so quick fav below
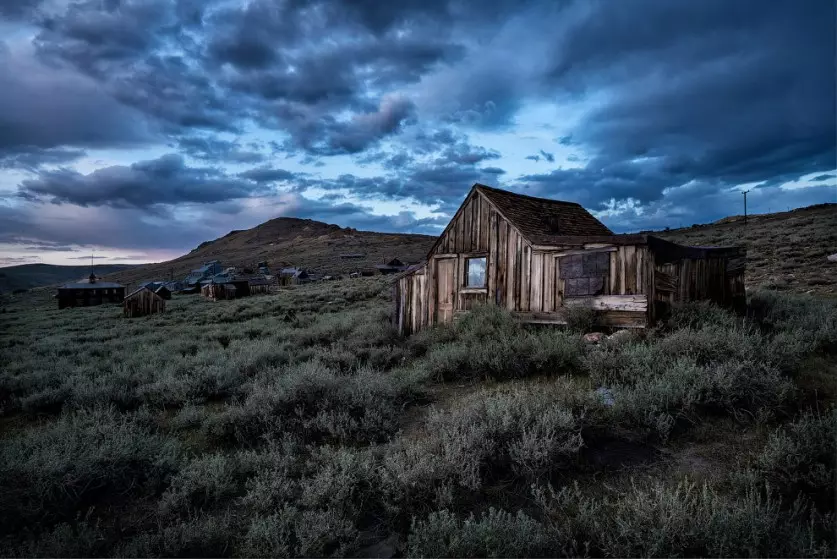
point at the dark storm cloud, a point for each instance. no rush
(33, 158)
(15, 9)
(163, 181)
(42, 108)
(213, 149)
(719, 92)
(268, 174)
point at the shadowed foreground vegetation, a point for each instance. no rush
(301, 424)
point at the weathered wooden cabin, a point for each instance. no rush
(259, 286)
(538, 257)
(142, 302)
(392, 267)
(218, 291)
(88, 292)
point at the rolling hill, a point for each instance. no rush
(287, 241)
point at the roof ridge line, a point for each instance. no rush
(500, 190)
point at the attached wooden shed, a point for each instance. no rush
(143, 302)
(538, 257)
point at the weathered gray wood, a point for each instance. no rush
(610, 302)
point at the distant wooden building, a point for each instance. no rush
(538, 257)
(142, 302)
(158, 287)
(293, 276)
(394, 266)
(218, 291)
(88, 292)
(259, 286)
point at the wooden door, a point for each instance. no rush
(445, 296)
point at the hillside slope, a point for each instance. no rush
(287, 241)
(27, 276)
(785, 250)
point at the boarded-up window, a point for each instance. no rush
(584, 274)
(475, 272)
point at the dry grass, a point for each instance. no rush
(301, 424)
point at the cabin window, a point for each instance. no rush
(584, 275)
(475, 272)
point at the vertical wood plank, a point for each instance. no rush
(622, 285)
(559, 286)
(485, 239)
(511, 251)
(493, 254)
(536, 282)
(630, 270)
(640, 270)
(548, 282)
(502, 259)
(613, 279)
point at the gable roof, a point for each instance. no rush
(542, 220)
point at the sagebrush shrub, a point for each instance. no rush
(48, 473)
(802, 456)
(495, 533)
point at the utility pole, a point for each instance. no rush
(744, 192)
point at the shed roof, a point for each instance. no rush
(135, 291)
(540, 220)
(94, 285)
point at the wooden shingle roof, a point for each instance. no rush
(542, 220)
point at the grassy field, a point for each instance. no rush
(301, 424)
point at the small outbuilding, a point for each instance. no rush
(88, 292)
(394, 266)
(158, 287)
(538, 258)
(218, 291)
(258, 286)
(143, 302)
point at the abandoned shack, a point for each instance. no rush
(218, 291)
(142, 302)
(89, 292)
(158, 287)
(258, 286)
(392, 267)
(538, 257)
(293, 276)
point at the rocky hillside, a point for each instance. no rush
(287, 241)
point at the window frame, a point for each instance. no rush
(466, 285)
(600, 274)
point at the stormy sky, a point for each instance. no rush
(141, 128)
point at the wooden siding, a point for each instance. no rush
(143, 302)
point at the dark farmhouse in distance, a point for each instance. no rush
(89, 292)
(538, 258)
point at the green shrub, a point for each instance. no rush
(658, 519)
(525, 431)
(815, 318)
(801, 456)
(49, 473)
(312, 399)
(204, 481)
(491, 343)
(204, 535)
(494, 534)
(293, 533)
